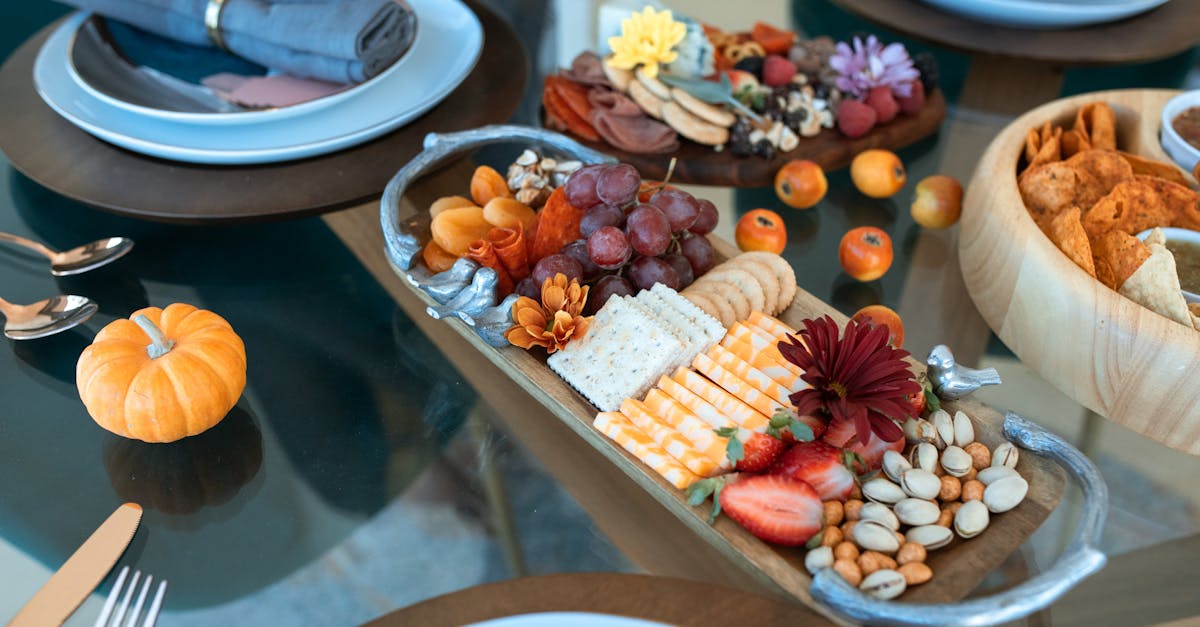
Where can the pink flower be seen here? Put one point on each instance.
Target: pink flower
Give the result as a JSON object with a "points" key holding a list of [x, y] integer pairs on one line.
{"points": [[872, 65]]}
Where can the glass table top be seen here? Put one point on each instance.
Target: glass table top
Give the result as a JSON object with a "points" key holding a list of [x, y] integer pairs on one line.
{"points": [[360, 472]]}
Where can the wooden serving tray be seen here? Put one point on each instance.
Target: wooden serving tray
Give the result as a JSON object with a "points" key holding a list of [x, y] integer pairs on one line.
{"points": [[701, 165], [957, 568], [1103, 350]]}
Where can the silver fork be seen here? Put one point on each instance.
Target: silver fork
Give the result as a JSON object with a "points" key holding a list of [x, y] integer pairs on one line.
{"points": [[119, 614]]}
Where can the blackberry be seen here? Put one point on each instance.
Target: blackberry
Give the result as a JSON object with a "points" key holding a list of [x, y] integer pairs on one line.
{"points": [[794, 119], [764, 149], [753, 65], [927, 65], [821, 91], [739, 138]]}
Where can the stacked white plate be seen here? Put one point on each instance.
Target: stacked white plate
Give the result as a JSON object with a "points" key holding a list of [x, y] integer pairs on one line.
{"points": [[447, 44], [1046, 14]]}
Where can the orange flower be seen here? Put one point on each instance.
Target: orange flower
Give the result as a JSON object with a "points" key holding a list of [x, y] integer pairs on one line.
{"points": [[553, 322]]}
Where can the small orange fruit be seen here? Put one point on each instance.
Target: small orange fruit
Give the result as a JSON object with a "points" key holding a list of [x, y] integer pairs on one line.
{"points": [[876, 315], [937, 203], [865, 253], [800, 184], [761, 229], [877, 173]]}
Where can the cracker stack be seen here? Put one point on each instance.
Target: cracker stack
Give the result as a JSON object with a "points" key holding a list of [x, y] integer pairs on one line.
{"points": [[750, 282], [632, 341]]}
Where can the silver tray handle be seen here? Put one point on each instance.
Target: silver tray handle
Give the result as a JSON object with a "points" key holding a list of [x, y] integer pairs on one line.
{"points": [[1080, 560], [403, 242]]}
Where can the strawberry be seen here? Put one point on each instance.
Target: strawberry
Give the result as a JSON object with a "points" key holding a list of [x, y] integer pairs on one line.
{"points": [[826, 468], [777, 71], [915, 100], [855, 118], [842, 433], [787, 427], [741, 80], [881, 100], [776, 509]]}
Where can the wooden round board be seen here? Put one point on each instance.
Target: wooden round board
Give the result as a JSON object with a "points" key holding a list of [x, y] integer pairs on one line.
{"points": [[1101, 349], [56, 154], [1158, 33], [701, 165]]}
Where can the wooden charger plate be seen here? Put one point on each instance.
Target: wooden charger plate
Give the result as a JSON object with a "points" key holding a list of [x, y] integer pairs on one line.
{"points": [[957, 568], [1101, 349], [701, 165]]}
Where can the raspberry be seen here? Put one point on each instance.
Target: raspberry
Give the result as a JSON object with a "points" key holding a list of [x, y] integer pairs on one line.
{"points": [[913, 103], [854, 118], [881, 100], [777, 71]]}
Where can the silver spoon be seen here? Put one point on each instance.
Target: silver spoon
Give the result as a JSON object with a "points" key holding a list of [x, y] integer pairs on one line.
{"points": [[77, 260], [47, 317]]}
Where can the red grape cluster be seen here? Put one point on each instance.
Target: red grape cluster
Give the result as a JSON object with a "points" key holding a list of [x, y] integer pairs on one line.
{"points": [[629, 245]]}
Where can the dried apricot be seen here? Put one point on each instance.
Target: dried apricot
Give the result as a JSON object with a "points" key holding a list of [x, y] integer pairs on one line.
{"points": [[455, 229], [507, 213], [486, 184], [449, 202], [436, 258]]}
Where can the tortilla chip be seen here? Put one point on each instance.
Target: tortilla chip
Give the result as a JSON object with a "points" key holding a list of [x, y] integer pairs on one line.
{"points": [[1098, 123], [1066, 231], [1080, 181], [1033, 142], [1074, 141], [1155, 286], [1050, 150], [1157, 236], [1180, 201], [1131, 206], [1155, 168], [1117, 255]]}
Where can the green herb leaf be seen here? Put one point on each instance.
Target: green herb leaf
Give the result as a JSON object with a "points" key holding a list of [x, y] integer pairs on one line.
{"points": [[708, 91]]}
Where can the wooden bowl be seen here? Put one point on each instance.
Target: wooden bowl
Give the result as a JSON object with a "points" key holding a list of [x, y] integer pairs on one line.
{"points": [[1101, 349]]}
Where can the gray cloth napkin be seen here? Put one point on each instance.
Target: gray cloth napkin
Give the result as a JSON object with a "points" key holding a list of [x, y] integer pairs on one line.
{"points": [[344, 41]]}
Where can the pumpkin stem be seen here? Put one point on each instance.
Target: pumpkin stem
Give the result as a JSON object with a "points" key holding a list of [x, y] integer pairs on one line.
{"points": [[160, 344]]}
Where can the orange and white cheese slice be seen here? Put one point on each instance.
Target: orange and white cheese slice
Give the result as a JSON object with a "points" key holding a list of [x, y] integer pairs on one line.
{"points": [[764, 361], [729, 404], [617, 427], [699, 432], [671, 440], [761, 342], [736, 386], [750, 374], [773, 326]]}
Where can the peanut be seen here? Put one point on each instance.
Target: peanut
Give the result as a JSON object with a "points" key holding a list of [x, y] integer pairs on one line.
{"points": [[953, 507], [848, 528], [855, 493], [849, 571], [971, 474], [916, 573], [910, 552], [981, 457], [946, 519], [852, 510], [951, 489], [834, 513], [846, 551], [832, 537], [972, 490], [871, 561]]}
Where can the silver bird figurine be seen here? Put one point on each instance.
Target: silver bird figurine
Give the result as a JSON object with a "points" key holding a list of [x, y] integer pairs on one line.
{"points": [[471, 300], [951, 380], [444, 286], [494, 321]]}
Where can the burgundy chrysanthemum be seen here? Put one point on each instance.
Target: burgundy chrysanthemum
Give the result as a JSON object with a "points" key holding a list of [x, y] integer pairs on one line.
{"points": [[859, 377]]}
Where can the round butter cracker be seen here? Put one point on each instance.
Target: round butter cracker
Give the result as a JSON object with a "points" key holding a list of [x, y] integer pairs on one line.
{"points": [[741, 281]]}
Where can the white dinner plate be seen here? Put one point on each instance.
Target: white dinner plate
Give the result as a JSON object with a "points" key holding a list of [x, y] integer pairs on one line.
{"points": [[1046, 14], [448, 42], [567, 619]]}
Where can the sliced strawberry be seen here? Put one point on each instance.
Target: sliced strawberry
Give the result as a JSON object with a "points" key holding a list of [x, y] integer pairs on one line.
{"points": [[826, 468], [843, 434], [777, 509]]}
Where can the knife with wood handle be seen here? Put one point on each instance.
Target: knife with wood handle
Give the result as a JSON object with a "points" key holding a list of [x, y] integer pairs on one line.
{"points": [[82, 572]]}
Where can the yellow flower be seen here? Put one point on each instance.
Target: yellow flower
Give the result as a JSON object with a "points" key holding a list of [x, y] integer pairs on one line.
{"points": [[647, 38]]}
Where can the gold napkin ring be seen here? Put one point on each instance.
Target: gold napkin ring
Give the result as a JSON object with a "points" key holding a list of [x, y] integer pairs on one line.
{"points": [[212, 22]]}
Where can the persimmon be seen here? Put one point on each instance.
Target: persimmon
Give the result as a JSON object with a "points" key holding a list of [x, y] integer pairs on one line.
{"points": [[800, 184], [937, 203], [865, 253], [876, 315], [878, 173], [761, 229]]}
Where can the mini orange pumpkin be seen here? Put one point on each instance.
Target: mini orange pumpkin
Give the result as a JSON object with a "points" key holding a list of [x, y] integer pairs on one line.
{"points": [[162, 375]]}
